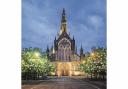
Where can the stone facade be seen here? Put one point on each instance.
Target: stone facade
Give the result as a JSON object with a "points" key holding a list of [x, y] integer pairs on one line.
{"points": [[64, 52], [64, 48]]}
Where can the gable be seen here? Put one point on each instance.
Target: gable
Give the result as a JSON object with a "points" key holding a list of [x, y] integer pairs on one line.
{"points": [[64, 35]]}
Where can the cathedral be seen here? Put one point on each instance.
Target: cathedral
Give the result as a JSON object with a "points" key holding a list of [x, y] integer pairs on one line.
{"points": [[64, 52], [64, 48]]}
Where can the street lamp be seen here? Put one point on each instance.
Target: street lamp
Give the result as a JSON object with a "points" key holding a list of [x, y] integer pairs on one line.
{"points": [[37, 54], [92, 54]]}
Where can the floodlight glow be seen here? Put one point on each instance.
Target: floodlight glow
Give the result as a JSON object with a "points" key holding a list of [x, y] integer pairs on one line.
{"points": [[92, 54], [53, 51], [83, 61], [37, 54]]}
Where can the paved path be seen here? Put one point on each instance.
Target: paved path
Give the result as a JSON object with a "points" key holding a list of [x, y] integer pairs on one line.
{"points": [[61, 83]]}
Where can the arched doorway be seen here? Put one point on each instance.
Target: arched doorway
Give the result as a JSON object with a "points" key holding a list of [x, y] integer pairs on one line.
{"points": [[63, 69]]}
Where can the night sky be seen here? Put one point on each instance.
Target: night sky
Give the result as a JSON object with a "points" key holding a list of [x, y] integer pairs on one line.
{"points": [[86, 20]]}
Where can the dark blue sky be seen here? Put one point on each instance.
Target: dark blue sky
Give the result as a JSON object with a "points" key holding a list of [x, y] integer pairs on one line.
{"points": [[86, 20]]}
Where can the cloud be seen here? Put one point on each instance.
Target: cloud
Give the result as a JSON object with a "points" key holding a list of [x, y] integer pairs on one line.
{"points": [[41, 22], [36, 29], [95, 21]]}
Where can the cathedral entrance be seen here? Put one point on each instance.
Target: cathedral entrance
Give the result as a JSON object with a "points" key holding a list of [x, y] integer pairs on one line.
{"points": [[63, 69], [68, 69]]}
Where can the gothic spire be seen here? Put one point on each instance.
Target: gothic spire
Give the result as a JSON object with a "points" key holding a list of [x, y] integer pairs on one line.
{"points": [[55, 37], [63, 13], [73, 37], [81, 47], [63, 22], [81, 51], [47, 48], [63, 16]]}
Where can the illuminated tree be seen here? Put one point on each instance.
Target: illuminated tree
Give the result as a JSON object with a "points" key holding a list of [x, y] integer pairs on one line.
{"points": [[35, 64], [94, 63]]}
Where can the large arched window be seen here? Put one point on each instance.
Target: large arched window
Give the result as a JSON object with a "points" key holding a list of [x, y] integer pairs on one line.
{"points": [[64, 49]]}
